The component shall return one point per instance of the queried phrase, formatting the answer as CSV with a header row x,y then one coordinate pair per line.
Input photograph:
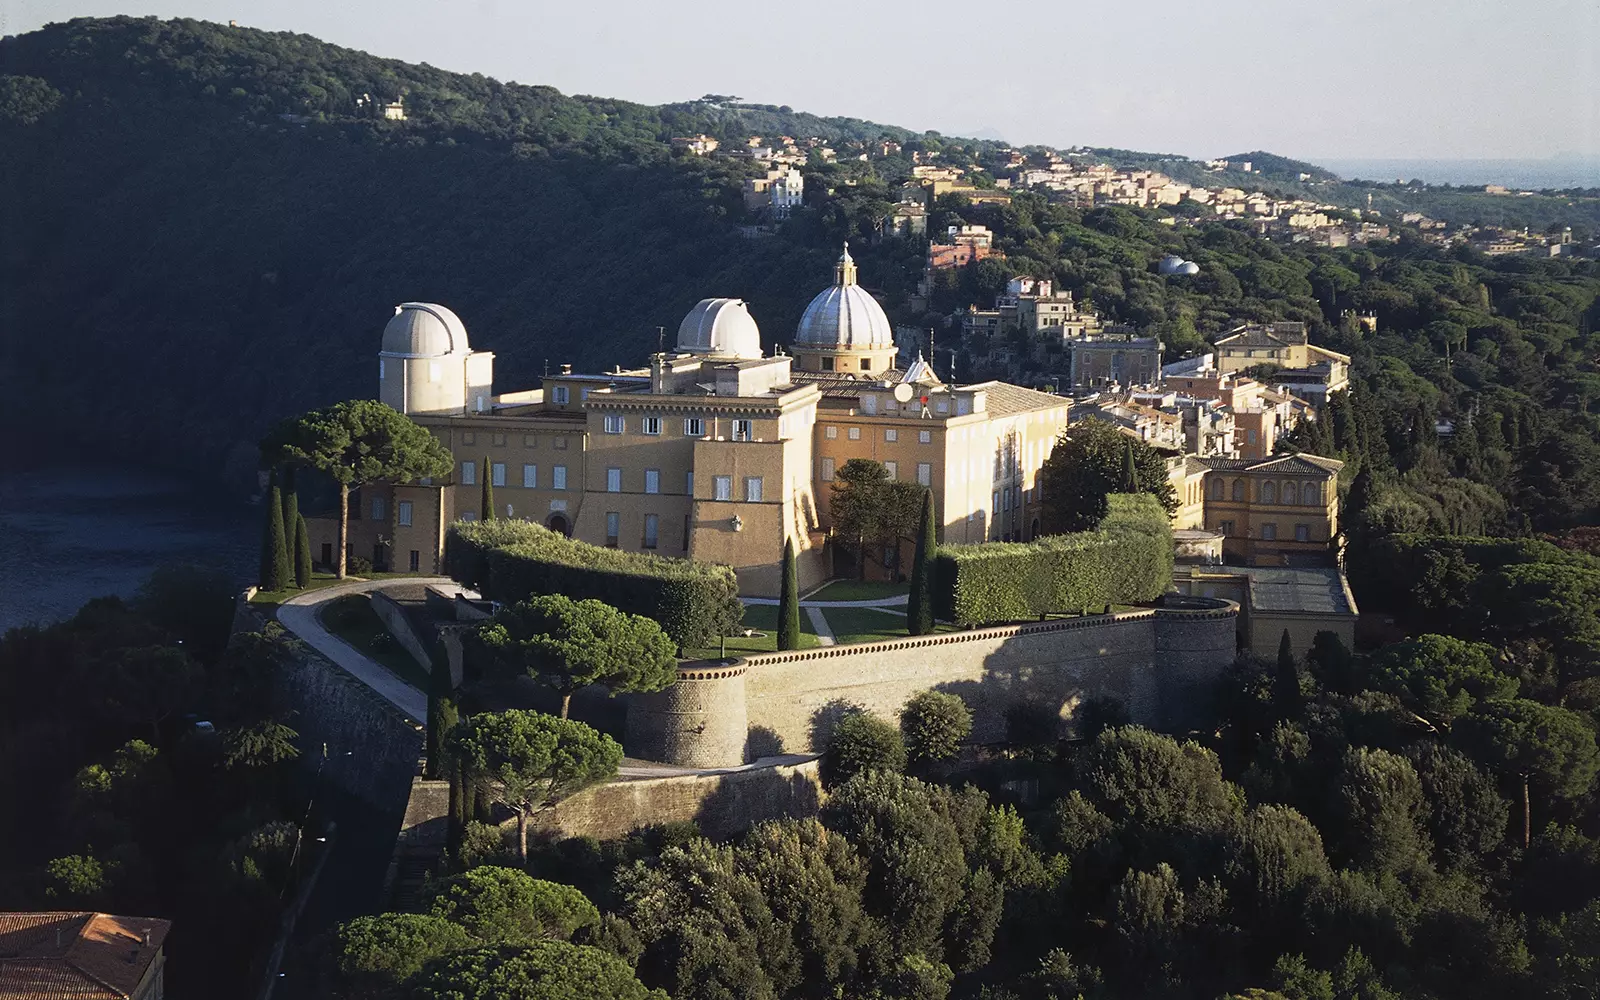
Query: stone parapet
x,y
1158,662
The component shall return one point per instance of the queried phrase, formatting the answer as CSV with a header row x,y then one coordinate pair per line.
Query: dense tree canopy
x,y
571,644
1089,462
531,760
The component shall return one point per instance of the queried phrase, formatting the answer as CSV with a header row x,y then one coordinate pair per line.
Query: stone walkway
x,y
299,615
819,625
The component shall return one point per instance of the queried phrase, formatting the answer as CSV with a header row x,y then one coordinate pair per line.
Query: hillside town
x,y
1078,178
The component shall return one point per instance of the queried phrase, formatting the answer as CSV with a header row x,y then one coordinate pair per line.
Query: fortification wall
x,y
372,747
793,697
723,804
700,721
1158,663
1195,642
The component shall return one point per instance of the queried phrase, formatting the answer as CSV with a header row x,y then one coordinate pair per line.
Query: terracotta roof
x,y
1005,399
73,955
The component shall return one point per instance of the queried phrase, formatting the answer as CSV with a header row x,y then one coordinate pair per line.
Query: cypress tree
x,y
291,507
274,574
442,713
1362,493
919,605
1130,475
302,553
789,601
488,490
1286,682
264,562
457,826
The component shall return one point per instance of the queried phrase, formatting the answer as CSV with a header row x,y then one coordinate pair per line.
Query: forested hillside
x,y
206,227
181,265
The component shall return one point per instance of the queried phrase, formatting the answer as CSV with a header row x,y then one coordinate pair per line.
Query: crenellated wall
x,y
1159,663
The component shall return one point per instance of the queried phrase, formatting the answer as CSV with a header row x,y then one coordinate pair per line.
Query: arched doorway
x,y
558,522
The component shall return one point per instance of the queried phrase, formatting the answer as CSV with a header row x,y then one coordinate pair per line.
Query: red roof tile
x,y
73,955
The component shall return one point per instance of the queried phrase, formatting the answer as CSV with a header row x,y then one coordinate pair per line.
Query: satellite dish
x,y
903,393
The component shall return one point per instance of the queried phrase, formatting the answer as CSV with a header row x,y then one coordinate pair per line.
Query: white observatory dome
x,y
844,316
721,328
424,330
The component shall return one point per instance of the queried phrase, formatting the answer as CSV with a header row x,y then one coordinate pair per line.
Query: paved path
x,y
820,626
299,615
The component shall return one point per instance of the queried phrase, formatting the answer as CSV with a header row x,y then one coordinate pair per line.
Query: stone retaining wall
x,y
724,804
1159,663
372,746
394,619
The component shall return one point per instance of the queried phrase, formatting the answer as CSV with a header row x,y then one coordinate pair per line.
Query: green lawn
x,y
859,590
852,625
762,618
352,619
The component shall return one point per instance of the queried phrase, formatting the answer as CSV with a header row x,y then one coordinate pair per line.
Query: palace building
x,y
714,450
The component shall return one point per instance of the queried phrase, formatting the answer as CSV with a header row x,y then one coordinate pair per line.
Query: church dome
x,y
844,317
424,330
721,328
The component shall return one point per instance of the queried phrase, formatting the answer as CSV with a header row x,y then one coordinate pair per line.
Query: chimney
x,y
566,369
147,937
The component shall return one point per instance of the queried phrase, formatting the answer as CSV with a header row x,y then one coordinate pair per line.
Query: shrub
x,y
862,742
933,725
358,565
509,561
1128,559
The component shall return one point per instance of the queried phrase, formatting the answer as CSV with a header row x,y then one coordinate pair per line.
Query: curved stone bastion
x,y
1160,663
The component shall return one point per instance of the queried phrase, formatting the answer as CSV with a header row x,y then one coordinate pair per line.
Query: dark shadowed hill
x,y
203,230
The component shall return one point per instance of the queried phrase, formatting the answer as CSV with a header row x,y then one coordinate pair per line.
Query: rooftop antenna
x,y
546,367
661,340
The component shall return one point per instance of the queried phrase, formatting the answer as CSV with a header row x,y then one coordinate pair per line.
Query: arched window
x,y
1238,489
1289,494
1218,489
1269,492
1312,494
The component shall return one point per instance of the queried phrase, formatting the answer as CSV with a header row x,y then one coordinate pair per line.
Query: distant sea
x,y
1531,175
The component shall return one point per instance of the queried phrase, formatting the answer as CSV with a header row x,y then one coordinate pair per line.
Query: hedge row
x,y
1128,559
507,561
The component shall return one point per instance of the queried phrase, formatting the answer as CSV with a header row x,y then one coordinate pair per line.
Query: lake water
x,y
68,534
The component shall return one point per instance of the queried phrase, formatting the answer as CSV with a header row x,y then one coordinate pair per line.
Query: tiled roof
x,y
844,384
1300,463
73,955
1006,399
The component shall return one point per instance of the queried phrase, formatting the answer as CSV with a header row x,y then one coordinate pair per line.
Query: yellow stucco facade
x,y
714,451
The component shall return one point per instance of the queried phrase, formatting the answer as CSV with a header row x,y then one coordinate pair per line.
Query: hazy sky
x,y
1340,79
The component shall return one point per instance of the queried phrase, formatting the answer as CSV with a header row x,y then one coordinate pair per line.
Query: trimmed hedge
x,y
508,561
1127,560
